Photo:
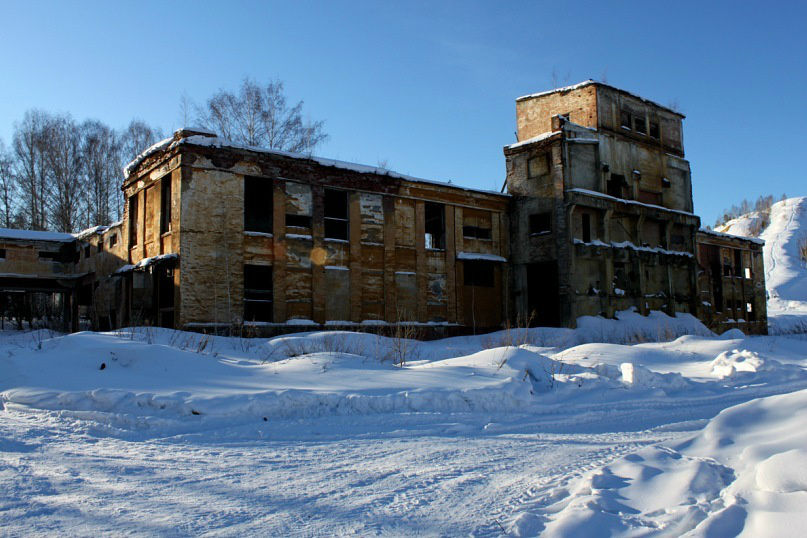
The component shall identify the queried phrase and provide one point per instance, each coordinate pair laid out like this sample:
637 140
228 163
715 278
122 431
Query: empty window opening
258 204
47 255
100 244
476 232
640 125
479 273
435 226
625 280
747 273
87 251
298 221
624 119
133 211
677 241
738 263
165 204
2 254
615 185
113 240
540 224
654 129
258 293
336 214
586 225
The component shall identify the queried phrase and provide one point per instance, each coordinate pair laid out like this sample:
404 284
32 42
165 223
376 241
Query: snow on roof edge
589 82
631 202
732 236
90 231
480 256
538 138
35 235
207 141
145 262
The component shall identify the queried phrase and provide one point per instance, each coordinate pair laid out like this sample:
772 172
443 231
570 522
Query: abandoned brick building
597 218
602 208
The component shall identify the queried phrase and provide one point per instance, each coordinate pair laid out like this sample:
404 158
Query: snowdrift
745 473
166 374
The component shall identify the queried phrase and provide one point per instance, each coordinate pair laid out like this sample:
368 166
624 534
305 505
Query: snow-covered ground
631 427
785 272
150 431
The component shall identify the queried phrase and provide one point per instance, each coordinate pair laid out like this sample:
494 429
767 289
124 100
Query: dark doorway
165 295
481 293
543 299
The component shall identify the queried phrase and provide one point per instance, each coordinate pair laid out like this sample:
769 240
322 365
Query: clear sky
430 87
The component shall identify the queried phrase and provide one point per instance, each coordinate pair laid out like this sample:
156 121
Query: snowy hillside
159 432
785 272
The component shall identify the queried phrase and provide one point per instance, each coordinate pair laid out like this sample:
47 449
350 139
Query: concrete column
459 278
390 300
420 259
355 258
318 290
451 257
279 251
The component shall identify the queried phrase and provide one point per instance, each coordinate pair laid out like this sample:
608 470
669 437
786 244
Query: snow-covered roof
216 142
732 236
630 202
90 231
590 82
151 150
534 139
145 262
35 235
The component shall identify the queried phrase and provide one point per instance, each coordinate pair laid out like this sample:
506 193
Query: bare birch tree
64 176
62 150
99 147
30 167
7 186
260 116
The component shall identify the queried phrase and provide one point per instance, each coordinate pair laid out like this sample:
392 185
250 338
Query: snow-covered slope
785 273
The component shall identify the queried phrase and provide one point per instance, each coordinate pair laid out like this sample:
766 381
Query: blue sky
430 87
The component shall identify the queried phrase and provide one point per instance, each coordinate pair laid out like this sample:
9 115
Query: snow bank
165 373
745 473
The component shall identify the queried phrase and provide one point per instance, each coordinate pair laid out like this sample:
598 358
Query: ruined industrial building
596 217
